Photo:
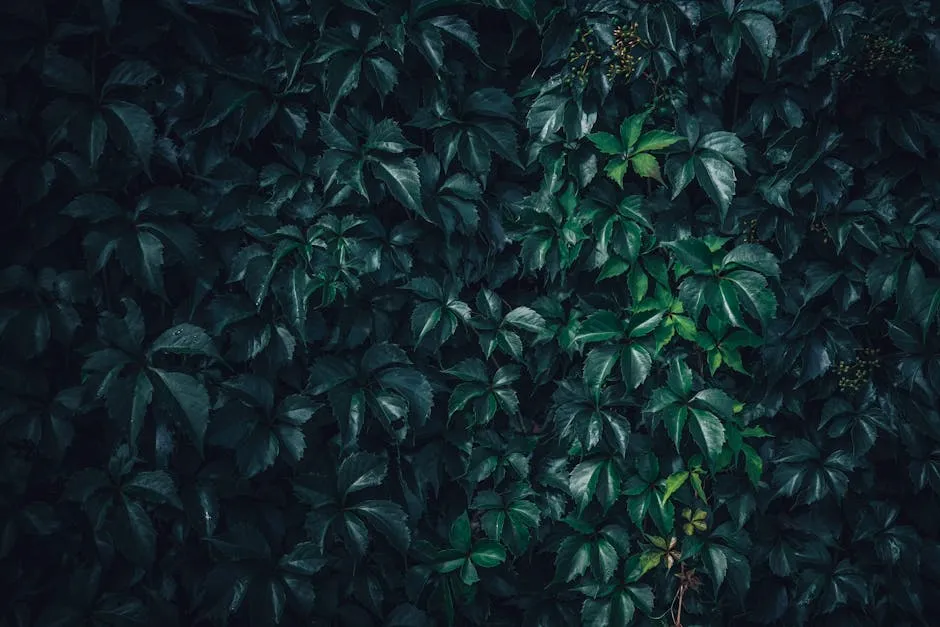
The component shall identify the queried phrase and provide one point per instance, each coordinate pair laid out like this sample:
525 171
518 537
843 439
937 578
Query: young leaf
656 140
631 128
646 166
608 144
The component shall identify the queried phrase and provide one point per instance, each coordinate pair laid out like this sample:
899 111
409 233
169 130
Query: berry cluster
816 227
625 41
750 236
853 374
581 57
880 55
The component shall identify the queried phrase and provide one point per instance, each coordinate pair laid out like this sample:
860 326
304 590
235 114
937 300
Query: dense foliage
494 312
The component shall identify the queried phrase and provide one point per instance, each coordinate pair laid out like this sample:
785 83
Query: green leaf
142 396
608 485
468 573
673 482
413 386
402 179
674 419
600 326
327 373
646 166
381 74
607 143
760 34
459 536
424 319
303 559
138 128
463 394
582 482
460 30
341 77
526 319
142 257
617 609
134 533
708 433
129 73
656 140
680 378
754 293
487 554
97 138
184 339
753 464
360 471
469 370
727 303
389 519
189 397
727 145
716 400
572 559
643 324
257 451
616 169
546 115
693 253
154 486
717 178
754 257
635 365
604 560
599 363
630 129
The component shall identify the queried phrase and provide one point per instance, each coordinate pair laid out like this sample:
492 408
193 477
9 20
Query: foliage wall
506 312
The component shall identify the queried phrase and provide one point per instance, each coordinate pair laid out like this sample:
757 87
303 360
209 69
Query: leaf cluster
365 313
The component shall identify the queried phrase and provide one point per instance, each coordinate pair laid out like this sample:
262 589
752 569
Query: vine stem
678 619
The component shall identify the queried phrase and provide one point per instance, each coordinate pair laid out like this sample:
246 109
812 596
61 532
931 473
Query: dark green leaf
189 397
360 471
